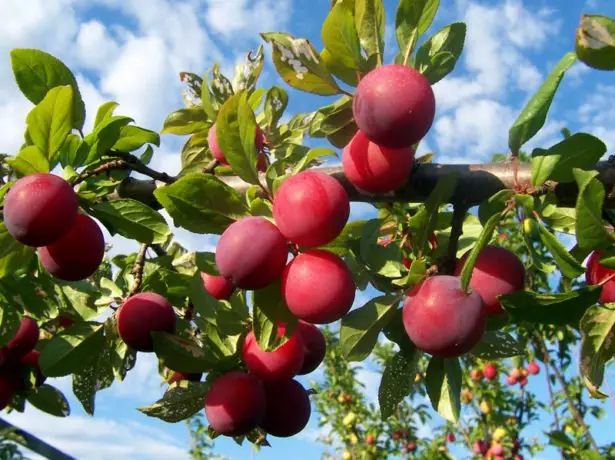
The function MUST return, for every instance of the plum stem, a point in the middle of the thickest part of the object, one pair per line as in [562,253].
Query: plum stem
[211,166]
[137,270]
[137,165]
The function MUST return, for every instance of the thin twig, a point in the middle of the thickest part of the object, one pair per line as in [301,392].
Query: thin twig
[211,166]
[137,270]
[138,166]
[573,409]
[110,165]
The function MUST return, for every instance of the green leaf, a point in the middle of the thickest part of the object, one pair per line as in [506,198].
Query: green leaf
[206,100]
[567,264]
[589,226]
[185,121]
[37,72]
[580,150]
[99,142]
[29,160]
[566,308]
[275,105]
[269,309]
[220,87]
[181,401]
[50,400]
[444,387]
[351,232]
[494,205]
[560,439]
[497,345]
[51,121]
[202,203]
[481,242]
[412,19]
[132,219]
[444,189]
[236,132]
[533,116]
[14,256]
[133,138]
[397,380]
[99,373]
[339,35]
[195,154]
[360,328]
[436,58]
[597,346]
[385,261]
[370,23]
[180,354]
[69,151]
[595,41]
[300,65]
[10,320]
[104,112]
[248,71]
[347,75]
[71,349]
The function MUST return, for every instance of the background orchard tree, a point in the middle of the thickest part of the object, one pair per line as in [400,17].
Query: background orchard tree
[472,304]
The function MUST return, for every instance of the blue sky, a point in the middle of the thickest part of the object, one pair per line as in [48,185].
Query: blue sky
[131,51]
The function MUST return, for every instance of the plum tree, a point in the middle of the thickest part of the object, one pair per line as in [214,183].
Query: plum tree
[25,339]
[179,376]
[443,320]
[314,346]
[212,141]
[283,363]
[39,209]
[235,404]
[287,408]
[249,265]
[476,374]
[311,208]
[497,271]
[77,254]
[218,287]
[142,314]
[599,274]
[376,169]
[335,291]
[394,106]
[490,371]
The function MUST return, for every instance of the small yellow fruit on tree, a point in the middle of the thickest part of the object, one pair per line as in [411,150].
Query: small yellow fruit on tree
[499,434]
[349,419]
[485,407]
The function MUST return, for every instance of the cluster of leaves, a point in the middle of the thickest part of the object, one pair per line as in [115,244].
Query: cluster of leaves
[205,198]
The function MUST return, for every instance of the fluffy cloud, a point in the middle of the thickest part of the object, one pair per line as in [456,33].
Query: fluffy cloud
[597,115]
[99,438]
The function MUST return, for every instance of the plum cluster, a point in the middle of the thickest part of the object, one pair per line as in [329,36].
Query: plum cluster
[41,211]
[394,108]
[18,361]
[310,210]
[444,320]
[267,396]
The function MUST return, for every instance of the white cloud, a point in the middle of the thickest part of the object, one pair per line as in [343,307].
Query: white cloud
[597,114]
[95,47]
[99,438]
[237,19]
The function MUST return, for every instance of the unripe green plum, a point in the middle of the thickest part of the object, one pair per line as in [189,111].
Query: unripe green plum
[311,208]
[497,271]
[142,314]
[235,404]
[76,255]
[287,408]
[443,320]
[394,106]
[376,169]
[318,287]
[39,209]
[252,253]
[283,363]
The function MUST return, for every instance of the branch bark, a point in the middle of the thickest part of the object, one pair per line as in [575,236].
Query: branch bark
[477,182]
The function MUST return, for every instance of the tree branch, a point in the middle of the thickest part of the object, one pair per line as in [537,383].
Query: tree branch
[477,182]
[137,270]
